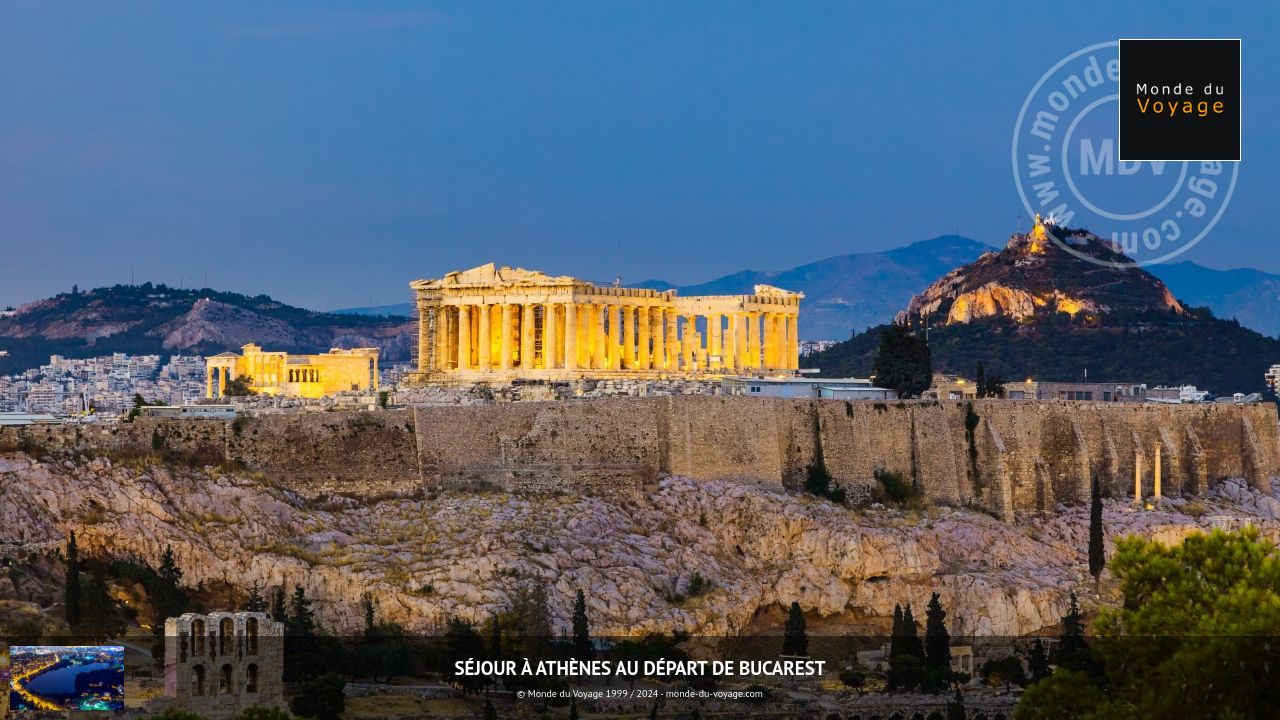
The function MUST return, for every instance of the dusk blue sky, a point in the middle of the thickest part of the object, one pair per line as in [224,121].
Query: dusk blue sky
[327,154]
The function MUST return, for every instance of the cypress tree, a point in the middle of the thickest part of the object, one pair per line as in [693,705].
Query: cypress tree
[581,628]
[795,640]
[937,645]
[302,620]
[911,634]
[278,612]
[1097,555]
[981,381]
[255,602]
[1038,662]
[495,639]
[368,616]
[955,708]
[895,639]
[71,596]
[490,713]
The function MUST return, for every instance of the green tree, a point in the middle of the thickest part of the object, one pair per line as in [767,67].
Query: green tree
[321,698]
[1073,652]
[1097,551]
[980,381]
[240,386]
[903,363]
[301,621]
[795,639]
[1037,662]
[462,642]
[255,602]
[278,608]
[99,619]
[955,708]
[581,629]
[1193,638]
[906,655]
[937,646]
[71,594]
[1004,671]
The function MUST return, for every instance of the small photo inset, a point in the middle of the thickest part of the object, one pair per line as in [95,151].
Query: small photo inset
[57,678]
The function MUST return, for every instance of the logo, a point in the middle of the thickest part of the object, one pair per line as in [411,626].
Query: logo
[1067,167]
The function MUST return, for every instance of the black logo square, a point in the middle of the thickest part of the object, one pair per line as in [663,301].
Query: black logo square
[1179,99]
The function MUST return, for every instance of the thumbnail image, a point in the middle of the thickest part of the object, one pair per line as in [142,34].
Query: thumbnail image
[50,677]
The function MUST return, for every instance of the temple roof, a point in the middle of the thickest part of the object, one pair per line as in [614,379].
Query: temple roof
[490,275]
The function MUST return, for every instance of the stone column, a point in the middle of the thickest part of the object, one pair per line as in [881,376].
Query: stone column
[715,344]
[208,381]
[527,322]
[614,361]
[599,341]
[740,340]
[550,339]
[770,340]
[673,340]
[505,336]
[485,340]
[424,338]
[570,336]
[753,340]
[729,345]
[464,337]
[1137,478]
[223,376]
[794,341]
[628,337]
[689,343]
[444,338]
[658,328]
[1155,490]
[642,343]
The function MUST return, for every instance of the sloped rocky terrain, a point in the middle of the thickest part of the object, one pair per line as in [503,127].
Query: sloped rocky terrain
[155,319]
[462,554]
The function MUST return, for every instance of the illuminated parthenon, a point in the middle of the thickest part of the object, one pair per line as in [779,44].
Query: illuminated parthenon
[501,324]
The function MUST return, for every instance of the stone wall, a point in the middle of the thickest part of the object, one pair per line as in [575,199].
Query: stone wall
[1008,456]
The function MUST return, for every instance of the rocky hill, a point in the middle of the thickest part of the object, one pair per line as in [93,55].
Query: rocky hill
[155,319]
[1034,278]
[464,554]
[1033,309]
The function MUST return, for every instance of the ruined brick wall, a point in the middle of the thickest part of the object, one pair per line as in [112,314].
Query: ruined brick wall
[1009,456]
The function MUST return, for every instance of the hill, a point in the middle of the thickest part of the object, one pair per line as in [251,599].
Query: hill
[1035,310]
[846,292]
[156,319]
[1248,295]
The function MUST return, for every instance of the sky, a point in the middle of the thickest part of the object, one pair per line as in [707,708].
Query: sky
[327,154]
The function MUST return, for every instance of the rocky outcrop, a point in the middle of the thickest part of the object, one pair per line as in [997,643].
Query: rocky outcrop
[428,557]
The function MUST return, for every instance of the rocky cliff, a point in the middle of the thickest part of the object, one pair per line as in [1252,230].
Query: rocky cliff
[1035,275]
[463,554]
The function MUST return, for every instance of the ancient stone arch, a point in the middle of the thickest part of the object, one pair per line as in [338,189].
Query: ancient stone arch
[235,661]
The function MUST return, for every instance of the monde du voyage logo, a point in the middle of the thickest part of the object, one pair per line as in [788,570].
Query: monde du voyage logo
[1134,140]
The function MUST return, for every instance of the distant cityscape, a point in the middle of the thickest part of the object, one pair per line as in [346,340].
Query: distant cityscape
[107,384]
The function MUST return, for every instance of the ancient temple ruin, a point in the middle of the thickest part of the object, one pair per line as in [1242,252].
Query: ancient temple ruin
[498,324]
[219,664]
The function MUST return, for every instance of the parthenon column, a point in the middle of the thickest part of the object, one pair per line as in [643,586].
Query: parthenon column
[570,336]
[642,345]
[793,341]
[730,346]
[527,323]
[504,336]
[550,341]
[769,339]
[614,360]
[424,363]
[753,340]
[599,349]
[658,331]
[715,346]
[464,337]
[444,338]
[628,337]
[485,343]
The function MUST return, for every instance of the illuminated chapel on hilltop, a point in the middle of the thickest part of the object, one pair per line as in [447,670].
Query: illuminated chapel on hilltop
[500,324]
